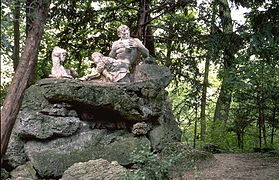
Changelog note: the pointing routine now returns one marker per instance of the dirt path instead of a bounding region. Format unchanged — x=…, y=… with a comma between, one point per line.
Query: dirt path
x=253, y=166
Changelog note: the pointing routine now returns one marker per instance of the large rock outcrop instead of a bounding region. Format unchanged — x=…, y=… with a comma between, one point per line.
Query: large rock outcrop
x=63, y=122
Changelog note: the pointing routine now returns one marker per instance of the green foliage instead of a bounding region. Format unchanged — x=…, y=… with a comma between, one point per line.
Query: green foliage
x=255, y=103
x=252, y=80
x=177, y=46
x=3, y=92
x=6, y=30
x=81, y=29
x=150, y=166
x=6, y=46
x=171, y=162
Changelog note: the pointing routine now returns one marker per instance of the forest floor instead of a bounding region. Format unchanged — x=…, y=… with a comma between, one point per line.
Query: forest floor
x=252, y=166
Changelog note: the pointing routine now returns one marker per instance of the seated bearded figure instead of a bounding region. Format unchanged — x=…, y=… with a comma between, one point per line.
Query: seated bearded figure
x=122, y=58
x=127, y=49
x=58, y=71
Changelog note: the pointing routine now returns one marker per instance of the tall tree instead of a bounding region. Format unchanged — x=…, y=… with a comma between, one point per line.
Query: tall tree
x=203, y=100
x=144, y=26
x=224, y=99
x=28, y=10
x=210, y=56
x=16, y=48
x=23, y=73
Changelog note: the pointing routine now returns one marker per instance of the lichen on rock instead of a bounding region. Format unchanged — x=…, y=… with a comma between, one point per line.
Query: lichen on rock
x=98, y=169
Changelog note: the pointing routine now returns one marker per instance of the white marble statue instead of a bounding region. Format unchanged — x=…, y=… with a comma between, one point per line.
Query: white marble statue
x=127, y=49
x=58, y=71
x=123, y=56
x=111, y=69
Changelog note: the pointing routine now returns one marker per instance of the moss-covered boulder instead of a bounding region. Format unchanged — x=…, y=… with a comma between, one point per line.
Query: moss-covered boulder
x=25, y=171
x=66, y=121
x=15, y=155
x=4, y=174
x=98, y=169
x=52, y=158
x=41, y=126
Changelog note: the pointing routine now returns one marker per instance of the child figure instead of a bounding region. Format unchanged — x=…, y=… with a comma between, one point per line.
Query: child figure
x=58, y=71
x=111, y=69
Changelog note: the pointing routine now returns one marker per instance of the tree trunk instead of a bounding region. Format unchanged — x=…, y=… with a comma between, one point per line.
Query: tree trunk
x=260, y=119
x=23, y=73
x=196, y=126
x=273, y=126
x=170, y=46
x=260, y=135
x=29, y=15
x=144, y=31
x=242, y=140
x=30, y=5
x=168, y=61
x=195, y=133
x=224, y=99
x=264, y=131
x=273, y=132
x=16, y=34
x=238, y=135
x=203, y=101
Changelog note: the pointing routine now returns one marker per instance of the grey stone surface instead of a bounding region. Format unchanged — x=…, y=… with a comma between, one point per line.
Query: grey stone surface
x=133, y=101
x=15, y=154
x=60, y=110
x=34, y=99
x=25, y=171
x=167, y=131
x=98, y=169
x=160, y=75
x=52, y=158
x=40, y=126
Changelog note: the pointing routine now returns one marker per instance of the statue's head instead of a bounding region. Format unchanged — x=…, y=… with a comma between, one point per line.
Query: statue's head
x=59, y=52
x=96, y=56
x=123, y=32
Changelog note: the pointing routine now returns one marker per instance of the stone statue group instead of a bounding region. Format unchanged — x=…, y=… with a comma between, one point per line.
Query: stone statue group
x=124, y=54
